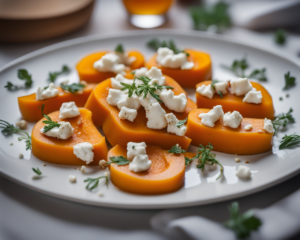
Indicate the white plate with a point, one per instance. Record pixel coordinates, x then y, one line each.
268 168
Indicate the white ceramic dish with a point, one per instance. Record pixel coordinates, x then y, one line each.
267 169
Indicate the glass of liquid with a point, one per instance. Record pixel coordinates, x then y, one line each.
147 13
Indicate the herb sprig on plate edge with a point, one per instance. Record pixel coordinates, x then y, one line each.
94 182
53 75
282 120
23 75
37 171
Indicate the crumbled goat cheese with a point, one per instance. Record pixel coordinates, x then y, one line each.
102 164
120 98
233 119
128 113
243 172
156 116
248 127
110 62
22 124
72 179
84 151
68 110
206 91
237 160
140 72
172 125
50 92
82 168
135 149
147 101
240 86
268 126
140 163
156 76
64 131
221 87
253 96
167 58
209 119
106 174
174 103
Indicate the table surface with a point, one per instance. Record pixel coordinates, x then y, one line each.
26 214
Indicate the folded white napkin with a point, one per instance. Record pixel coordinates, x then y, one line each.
279 221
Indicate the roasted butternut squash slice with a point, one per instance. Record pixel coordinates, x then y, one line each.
119 131
231 102
190 77
165 175
229 140
60 151
88 73
29 106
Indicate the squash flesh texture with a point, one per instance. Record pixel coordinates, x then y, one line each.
29 106
60 151
119 131
229 140
231 102
88 73
201 71
166 173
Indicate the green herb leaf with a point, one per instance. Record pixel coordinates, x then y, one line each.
49 123
72 88
181 122
188 161
289 141
9 129
242 224
11 86
119 48
156 44
53 75
213 84
280 36
120 160
94 182
37 171
289 81
24 75
176 149
259 75
211 16
282 120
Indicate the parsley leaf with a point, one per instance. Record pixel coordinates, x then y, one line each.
119 48
181 122
120 160
156 44
10 86
49 123
9 129
242 224
94 182
176 149
72 88
53 75
37 171
211 16
282 120
280 37
289 141
289 81
22 75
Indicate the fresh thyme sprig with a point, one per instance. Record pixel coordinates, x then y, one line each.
289 81
176 149
282 120
53 75
216 16
242 224
181 122
9 129
50 124
238 67
206 157
72 88
280 37
37 171
119 48
289 141
22 75
189 160
120 160
214 88
156 44
94 182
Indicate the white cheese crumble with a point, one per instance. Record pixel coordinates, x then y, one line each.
221 87
72 179
147 101
68 110
240 86
140 72
174 103
233 119
140 163
253 96
82 168
172 125
116 81
120 98
156 76
128 113
209 119
135 149
64 131
248 127
167 58
206 91
243 172
110 62
156 116
268 126
50 92
84 151
22 124
102 164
